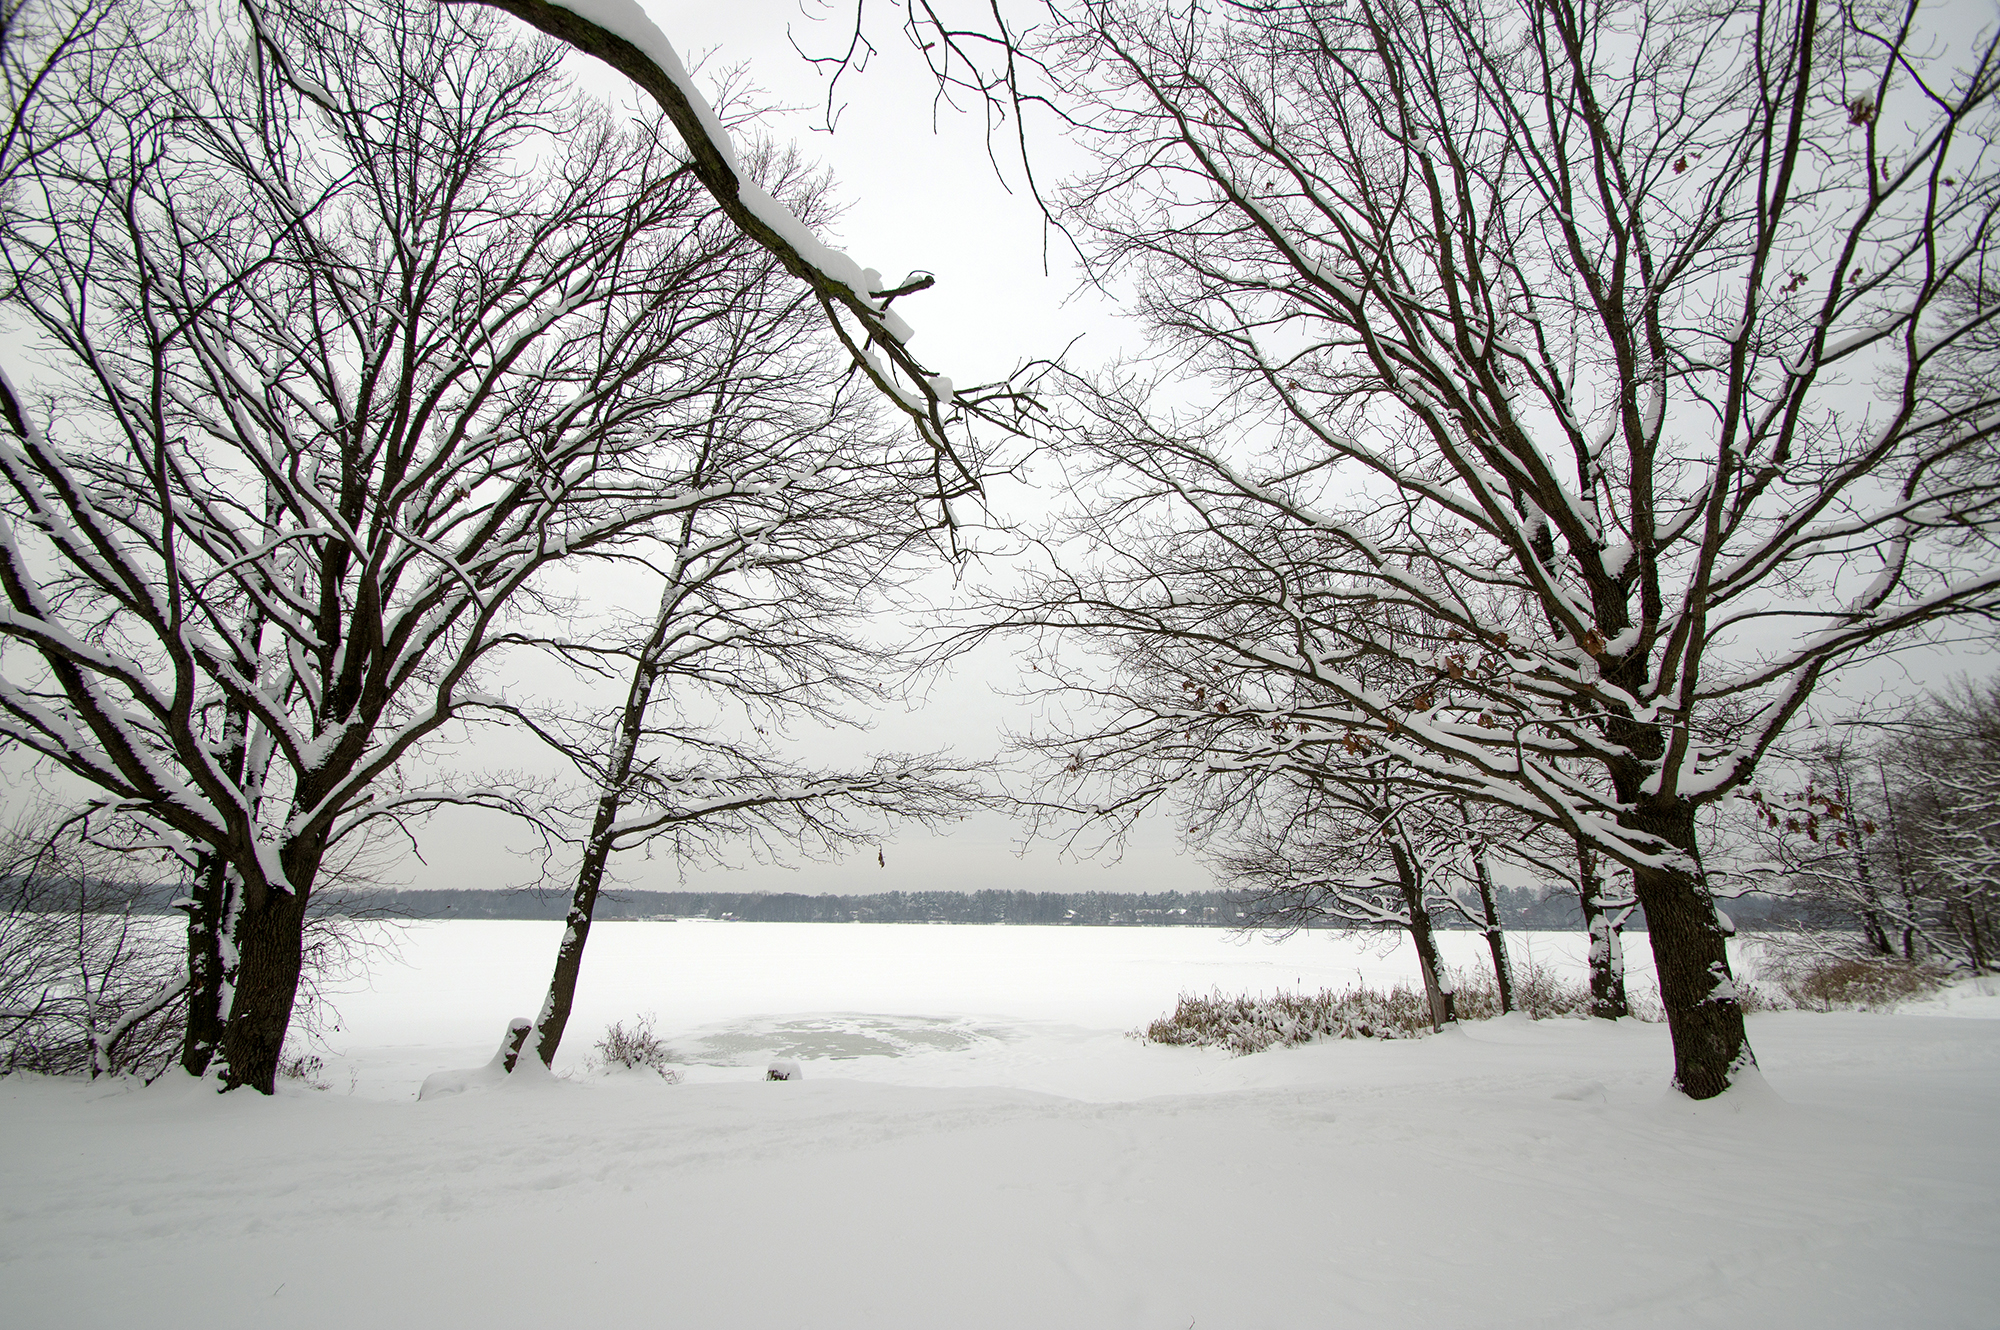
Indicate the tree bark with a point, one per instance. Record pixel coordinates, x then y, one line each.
1607 948
561 997
1689 952
1873 926
1900 864
556 1006
1437 981
1496 939
212 893
270 945
207 972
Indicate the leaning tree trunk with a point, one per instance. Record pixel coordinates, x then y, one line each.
556 1007
1437 980
561 997
1607 948
270 949
1496 939
1704 1014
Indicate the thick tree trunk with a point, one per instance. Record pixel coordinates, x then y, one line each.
211 914
1607 948
1703 1013
270 946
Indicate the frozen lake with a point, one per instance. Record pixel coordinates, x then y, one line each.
736 994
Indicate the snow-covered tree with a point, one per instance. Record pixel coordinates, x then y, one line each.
1608 375
762 597
362 321
1892 837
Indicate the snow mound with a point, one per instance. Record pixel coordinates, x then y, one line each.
440 1084
1749 1095
1977 998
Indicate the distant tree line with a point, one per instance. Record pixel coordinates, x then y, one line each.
1530 908
1520 907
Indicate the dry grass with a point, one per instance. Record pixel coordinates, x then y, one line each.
1246 1024
1538 990
1823 983
1249 1024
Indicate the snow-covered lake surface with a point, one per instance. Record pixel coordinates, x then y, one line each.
975 1143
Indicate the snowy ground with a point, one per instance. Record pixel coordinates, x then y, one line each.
975 1144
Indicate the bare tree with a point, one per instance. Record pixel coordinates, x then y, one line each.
368 323
759 620
90 979
1893 838
1617 353
1355 852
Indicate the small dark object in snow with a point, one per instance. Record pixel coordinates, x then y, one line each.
783 1069
517 1034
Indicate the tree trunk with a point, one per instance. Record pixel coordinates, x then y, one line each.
208 977
1703 1013
1496 940
1900 864
556 1006
210 916
1607 948
554 1015
1437 981
270 945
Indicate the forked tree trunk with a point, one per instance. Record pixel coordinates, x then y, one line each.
1607 948
1703 1012
270 946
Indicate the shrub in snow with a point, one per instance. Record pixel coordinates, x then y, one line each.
1539 992
1248 1024
635 1048
1821 983
306 1068
783 1069
88 985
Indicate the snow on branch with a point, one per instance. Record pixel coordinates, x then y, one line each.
619 33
